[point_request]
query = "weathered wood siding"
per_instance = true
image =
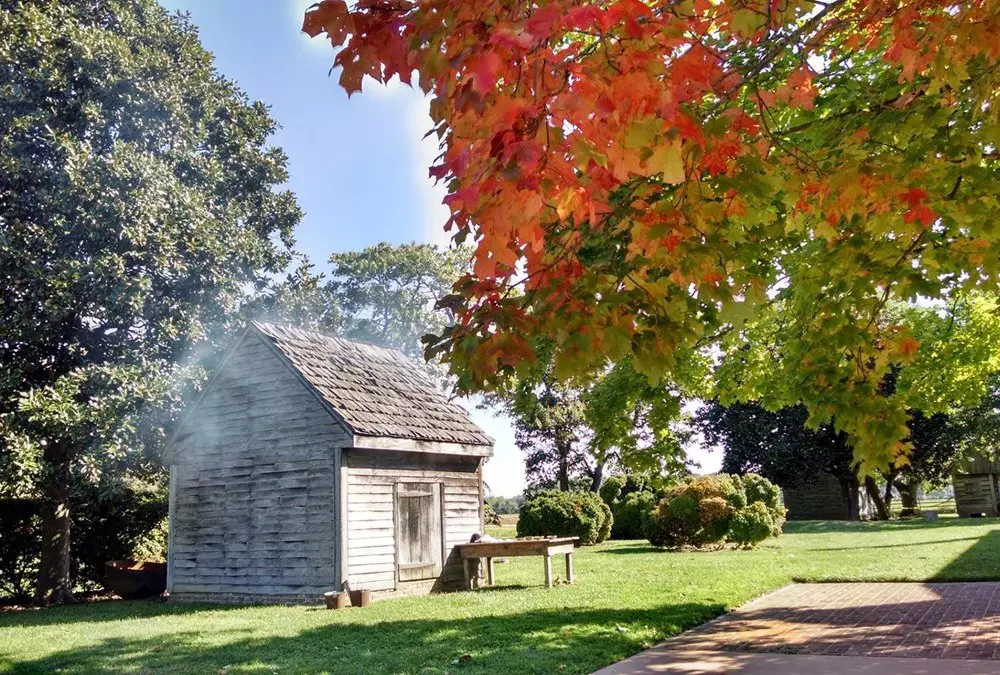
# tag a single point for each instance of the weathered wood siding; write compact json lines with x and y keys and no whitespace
{"x":978,"y":464}
{"x":975,"y":494}
{"x":822,"y":499}
{"x":254,"y":483}
{"x":371,"y":540}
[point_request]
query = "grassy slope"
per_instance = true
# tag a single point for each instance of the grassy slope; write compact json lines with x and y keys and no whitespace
{"x":627,"y":597}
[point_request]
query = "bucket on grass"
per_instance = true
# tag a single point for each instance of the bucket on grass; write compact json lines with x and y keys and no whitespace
{"x":361,"y":598}
{"x":336,"y":599}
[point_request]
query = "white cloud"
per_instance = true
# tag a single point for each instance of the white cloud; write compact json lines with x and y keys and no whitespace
{"x":431,"y":213}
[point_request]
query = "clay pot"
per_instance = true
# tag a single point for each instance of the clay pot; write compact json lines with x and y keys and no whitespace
{"x":336,"y":599}
{"x":361,"y":598}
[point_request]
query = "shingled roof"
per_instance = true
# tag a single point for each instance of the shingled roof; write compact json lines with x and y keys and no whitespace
{"x":375,"y":391}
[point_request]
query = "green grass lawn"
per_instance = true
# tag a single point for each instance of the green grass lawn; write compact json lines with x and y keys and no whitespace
{"x":627,"y":597}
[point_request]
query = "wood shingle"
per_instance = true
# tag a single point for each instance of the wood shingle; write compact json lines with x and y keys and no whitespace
{"x":375,"y":391}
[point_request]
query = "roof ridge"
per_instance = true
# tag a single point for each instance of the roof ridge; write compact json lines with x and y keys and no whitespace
{"x":377,"y":391}
{"x":268,"y":326}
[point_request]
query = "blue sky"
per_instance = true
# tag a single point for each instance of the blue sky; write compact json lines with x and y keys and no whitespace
{"x":358,"y":167}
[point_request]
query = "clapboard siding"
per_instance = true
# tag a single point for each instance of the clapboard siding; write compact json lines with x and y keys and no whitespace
{"x":371,"y":476}
{"x":270,"y":495}
{"x":254,"y":484}
{"x":975,"y":494}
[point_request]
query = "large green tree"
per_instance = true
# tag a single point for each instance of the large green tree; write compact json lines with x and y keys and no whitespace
{"x":946,"y":384}
{"x":578,"y":431}
{"x":779,"y":446}
{"x":387,"y":295}
{"x":140,"y":203}
{"x":652,"y":172}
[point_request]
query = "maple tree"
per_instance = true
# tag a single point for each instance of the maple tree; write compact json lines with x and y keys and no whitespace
{"x":639,"y":177}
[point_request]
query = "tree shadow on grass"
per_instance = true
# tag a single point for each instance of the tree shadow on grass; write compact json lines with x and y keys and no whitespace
{"x":106,"y":610}
{"x":632,"y":550}
{"x":846,"y":526}
{"x":556,"y":640}
{"x":979,"y":562}
{"x":933,"y":542}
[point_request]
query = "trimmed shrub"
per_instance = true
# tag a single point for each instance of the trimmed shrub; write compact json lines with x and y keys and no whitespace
{"x":707,"y":510}
{"x":611,"y":489}
{"x":490,"y":515}
{"x":631,"y":515}
{"x":566,"y":514}
{"x":729,"y":488}
{"x":607,"y":523}
{"x":760,"y":489}
{"x":751,"y":525}
{"x":682,"y":519}
{"x":778,"y":520}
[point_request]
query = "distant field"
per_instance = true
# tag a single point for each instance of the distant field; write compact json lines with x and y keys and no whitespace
{"x":944,"y":505}
{"x":507,"y":528}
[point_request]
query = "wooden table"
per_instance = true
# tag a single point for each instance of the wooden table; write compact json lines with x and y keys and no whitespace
{"x":517,"y":547}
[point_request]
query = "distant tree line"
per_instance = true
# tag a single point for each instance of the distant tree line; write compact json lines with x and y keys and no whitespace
{"x":506,"y":505}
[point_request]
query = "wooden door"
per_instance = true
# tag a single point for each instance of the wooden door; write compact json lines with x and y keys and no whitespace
{"x":418,"y":531}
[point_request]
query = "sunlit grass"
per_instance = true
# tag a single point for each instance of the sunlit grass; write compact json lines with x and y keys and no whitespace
{"x":627,"y":596}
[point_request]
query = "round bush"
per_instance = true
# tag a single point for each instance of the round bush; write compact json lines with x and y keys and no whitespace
{"x":760,"y":489}
{"x":751,"y":525}
{"x":611,"y":488}
{"x":683,"y":520}
{"x":778,"y":520}
{"x":631,"y":514}
{"x":697,"y":512}
{"x":714,"y":514}
{"x":729,"y":487}
{"x":566,"y":514}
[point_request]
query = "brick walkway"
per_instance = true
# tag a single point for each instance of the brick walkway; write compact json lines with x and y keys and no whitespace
{"x":949,"y":620}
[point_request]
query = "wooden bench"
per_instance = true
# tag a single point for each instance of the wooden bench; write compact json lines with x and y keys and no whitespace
{"x":517,"y":547}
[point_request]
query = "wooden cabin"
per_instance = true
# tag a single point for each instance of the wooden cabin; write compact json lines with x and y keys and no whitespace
{"x":311,"y":461}
{"x":976,"y":487}
{"x":826,"y":497}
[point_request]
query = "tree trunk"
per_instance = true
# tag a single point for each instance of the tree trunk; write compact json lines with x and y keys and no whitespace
{"x":597,"y":477}
{"x":907,"y":498}
{"x":563,"y":451}
{"x":55,"y":582}
{"x":871,"y":487}
{"x":887,"y":497}
{"x":849,"y":493}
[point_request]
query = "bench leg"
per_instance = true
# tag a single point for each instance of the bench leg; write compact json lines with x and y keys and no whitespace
{"x":569,"y":568}
{"x":468,"y":575}
{"x":548,"y":571}
{"x":489,"y":571}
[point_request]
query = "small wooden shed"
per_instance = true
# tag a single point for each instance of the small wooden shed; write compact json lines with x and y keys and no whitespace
{"x":310,"y":461}
{"x":976,"y":487}
{"x":827,"y":497}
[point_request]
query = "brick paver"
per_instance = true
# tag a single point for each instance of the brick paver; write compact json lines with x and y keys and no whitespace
{"x":947,"y":620}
